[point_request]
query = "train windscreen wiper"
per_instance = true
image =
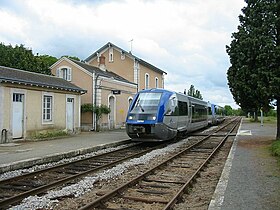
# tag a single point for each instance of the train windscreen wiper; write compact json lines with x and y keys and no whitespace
{"x":138,"y":104}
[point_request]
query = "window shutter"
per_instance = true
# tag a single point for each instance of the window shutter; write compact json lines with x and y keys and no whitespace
{"x":57,"y":73}
{"x":69,"y":74}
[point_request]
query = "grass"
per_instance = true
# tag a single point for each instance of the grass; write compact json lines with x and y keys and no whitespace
{"x":265,"y":119}
{"x":49,"y":134}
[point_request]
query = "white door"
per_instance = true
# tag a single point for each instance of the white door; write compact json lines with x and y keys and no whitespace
{"x":112,"y":113}
{"x":70,"y":114}
{"x":17,"y":115}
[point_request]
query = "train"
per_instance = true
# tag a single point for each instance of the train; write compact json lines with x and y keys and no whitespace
{"x":161,"y":115}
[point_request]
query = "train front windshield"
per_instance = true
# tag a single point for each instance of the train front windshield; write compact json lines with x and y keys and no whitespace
{"x":146,"y":103}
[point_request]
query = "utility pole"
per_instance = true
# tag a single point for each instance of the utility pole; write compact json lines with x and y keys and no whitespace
{"x":131,"y":45}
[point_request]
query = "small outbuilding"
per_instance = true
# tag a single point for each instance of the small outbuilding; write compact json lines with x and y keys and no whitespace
{"x":32,"y":104}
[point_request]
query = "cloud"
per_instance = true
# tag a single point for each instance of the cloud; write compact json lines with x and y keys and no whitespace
{"x":184,"y":38}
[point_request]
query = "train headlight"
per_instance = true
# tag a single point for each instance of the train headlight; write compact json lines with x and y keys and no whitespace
{"x":130,"y":117}
{"x":154,"y":118}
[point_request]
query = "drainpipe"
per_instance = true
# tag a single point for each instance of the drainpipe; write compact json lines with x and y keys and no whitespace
{"x":95,"y":100}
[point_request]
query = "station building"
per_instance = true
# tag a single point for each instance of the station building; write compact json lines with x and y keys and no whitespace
{"x":33,"y":104}
{"x":111,"y":76}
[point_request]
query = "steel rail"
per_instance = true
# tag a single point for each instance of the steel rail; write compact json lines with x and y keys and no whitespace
{"x":197,"y":172}
{"x":43,"y":188}
{"x":33,"y":173}
{"x":99,"y":201}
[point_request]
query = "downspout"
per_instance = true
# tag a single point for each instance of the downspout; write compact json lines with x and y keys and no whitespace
{"x":95,"y":100}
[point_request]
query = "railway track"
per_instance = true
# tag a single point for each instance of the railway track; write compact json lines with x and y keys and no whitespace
{"x":163,"y":185}
{"x":15,"y":189}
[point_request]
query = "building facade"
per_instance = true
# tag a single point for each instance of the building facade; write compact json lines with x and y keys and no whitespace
{"x":130,"y":67}
{"x":104,"y":88}
{"x":33,"y":104}
{"x":111,"y":77}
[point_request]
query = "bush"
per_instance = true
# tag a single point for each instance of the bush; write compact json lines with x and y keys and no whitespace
{"x":275,"y":148}
{"x":50,"y":134}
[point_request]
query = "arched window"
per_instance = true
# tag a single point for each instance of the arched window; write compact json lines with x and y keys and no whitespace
{"x":156,"y":82}
{"x":147,"y":78}
{"x":111,"y":55}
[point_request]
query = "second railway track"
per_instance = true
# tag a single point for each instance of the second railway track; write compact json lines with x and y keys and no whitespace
{"x":163,"y":185}
{"x":15,"y":191}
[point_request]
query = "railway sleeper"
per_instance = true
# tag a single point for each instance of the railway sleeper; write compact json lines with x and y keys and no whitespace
{"x":156,"y":192}
{"x":147,"y":185}
{"x":19,"y":187}
{"x":145,"y":200}
{"x":164,"y":181}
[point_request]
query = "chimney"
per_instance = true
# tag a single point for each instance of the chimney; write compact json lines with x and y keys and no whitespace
{"x":102,"y":65}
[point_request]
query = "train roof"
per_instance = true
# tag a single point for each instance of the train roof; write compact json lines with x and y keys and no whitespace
{"x":160,"y":90}
{"x":156,"y":90}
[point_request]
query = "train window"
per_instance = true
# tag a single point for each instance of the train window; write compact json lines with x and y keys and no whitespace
{"x":146,"y":102}
{"x":183,"y":108}
{"x":172,"y":107}
{"x":199,"y":113}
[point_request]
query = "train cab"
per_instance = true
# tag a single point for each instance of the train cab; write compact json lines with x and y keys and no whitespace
{"x":146,"y":114}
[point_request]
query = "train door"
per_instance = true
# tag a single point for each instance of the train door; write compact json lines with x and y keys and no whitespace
{"x":18,"y":120}
{"x":183,"y":116}
{"x":171,"y":114}
{"x":112,"y":113}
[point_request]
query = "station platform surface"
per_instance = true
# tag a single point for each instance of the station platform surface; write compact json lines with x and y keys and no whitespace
{"x":25,"y":153}
{"x":251,"y":176}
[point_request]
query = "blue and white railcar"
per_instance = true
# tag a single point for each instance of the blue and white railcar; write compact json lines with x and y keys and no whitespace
{"x":159,"y":115}
{"x":216,"y":114}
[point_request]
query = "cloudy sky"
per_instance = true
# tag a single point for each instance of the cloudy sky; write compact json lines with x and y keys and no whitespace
{"x":185,"y":38}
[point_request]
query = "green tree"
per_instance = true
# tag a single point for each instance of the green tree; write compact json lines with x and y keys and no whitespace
{"x":194,"y":93}
{"x":228,"y":110}
{"x":71,"y":57}
{"x":254,"y":74}
{"x":49,"y":60}
{"x":22,"y":58}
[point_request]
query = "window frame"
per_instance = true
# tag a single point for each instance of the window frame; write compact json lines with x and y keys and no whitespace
{"x":111,"y":55}
{"x":67,"y":75}
{"x":156,"y":82}
{"x":147,"y":81}
{"x":45,"y":118}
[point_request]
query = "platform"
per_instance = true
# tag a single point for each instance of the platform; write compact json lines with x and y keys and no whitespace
{"x":251,"y":176}
{"x":26,"y":153}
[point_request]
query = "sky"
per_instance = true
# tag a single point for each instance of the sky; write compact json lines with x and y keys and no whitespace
{"x":185,"y":38}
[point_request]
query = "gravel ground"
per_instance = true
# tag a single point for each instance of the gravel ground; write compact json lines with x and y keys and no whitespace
{"x":19,"y":172}
{"x":107,"y":179}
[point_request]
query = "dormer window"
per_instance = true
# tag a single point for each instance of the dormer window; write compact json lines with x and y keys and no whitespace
{"x":64,"y":73}
{"x":111,"y":55}
{"x":122,"y":55}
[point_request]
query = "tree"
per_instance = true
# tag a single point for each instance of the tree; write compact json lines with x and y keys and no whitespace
{"x":71,"y":57}
{"x":22,"y":58}
{"x":254,"y":74}
{"x":228,"y":110}
{"x":194,"y":93}
{"x":49,"y":60}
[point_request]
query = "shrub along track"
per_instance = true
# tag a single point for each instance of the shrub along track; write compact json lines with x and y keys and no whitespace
{"x":163,"y":185}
